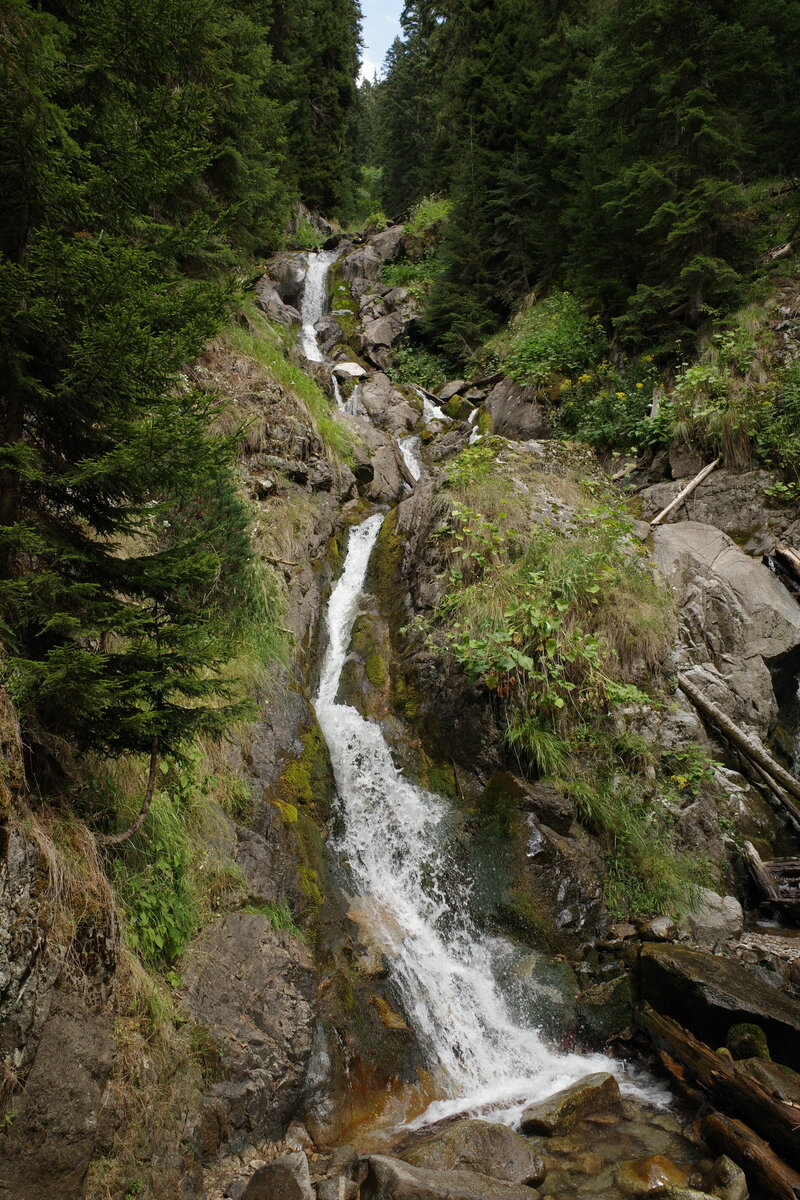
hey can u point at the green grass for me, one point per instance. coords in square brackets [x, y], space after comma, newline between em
[263, 342]
[279, 916]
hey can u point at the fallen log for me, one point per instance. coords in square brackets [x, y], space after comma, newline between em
[764, 1170]
[728, 1087]
[759, 872]
[687, 491]
[749, 748]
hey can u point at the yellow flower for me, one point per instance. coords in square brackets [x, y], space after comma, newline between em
[640, 385]
[648, 358]
[584, 378]
[621, 396]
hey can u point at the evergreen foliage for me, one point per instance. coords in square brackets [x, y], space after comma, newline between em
[606, 148]
[146, 147]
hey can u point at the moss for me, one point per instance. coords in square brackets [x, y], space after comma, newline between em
[533, 923]
[375, 669]
[442, 779]
[406, 698]
[500, 799]
[748, 1041]
[484, 421]
[307, 780]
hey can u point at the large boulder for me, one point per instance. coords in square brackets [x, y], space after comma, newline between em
[709, 993]
[516, 412]
[598, 1093]
[393, 1179]
[482, 1146]
[253, 988]
[285, 1178]
[735, 617]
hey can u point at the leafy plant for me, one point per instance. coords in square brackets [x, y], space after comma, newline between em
[554, 337]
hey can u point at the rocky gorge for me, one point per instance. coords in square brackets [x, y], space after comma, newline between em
[633, 1054]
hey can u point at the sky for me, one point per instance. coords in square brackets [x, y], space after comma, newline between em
[380, 27]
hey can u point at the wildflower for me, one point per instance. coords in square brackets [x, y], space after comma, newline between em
[648, 358]
[621, 396]
[584, 378]
[640, 385]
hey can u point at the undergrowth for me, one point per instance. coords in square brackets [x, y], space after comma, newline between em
[551, 604]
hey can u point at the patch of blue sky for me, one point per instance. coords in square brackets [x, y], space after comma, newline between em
[381, 25]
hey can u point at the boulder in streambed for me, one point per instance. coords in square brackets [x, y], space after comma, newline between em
[482, 1146]
[726, 1180]
[708, 993]
[286, 1178]
[393, 1179]
[598, 1093]
[641, 1177]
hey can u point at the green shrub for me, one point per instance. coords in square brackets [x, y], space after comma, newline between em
[555, 337]
[416, 365]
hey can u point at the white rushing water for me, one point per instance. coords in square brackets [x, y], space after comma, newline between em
[412, 457]
[430, 411]
[395, 841]
[315, 300]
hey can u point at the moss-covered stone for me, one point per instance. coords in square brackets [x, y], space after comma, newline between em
[748, 1040]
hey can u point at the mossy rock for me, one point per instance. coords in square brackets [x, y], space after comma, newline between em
[748, 1041]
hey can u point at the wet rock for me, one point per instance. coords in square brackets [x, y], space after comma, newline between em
[253, 988]
[714, 919]
[352, 369]
[678, 1193]
[543, 994]
[271, 303]
[642, 1177]
[286, 1178]
[516, 412]
[726, 1180]
[558, 1114]
[606, 1009]
[481, 1146]
[393, 1179]
[708, 993]
[287, 271]
[779, 1080]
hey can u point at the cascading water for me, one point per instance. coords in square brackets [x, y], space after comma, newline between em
[410, 450]
[395, 843]
[430, 411]
[315, 301]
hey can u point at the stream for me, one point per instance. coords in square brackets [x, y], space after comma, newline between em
[395, 842]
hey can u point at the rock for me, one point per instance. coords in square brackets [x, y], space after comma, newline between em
[516, 412]
[481, 1146]
[731, 501]
[287, 272]
[286, 1178]
[622, 930]
[236, 1189]
[748, 1041]
[734, 616]
[393, 1179]
[641, 1177]
[270, 302]
[544, 994]
[351, 369]
[253, 988]
[452, 389]
[659, 929]
[678, 1193]
[714, 919]
[337, 1187]
[684, 460]
[606, 1009]
[558, 1114]
[708, 993]
[779, 1080]
[383, 332]
[726, 1180]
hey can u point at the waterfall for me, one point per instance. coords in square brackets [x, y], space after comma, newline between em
[430, 411]
[315, 300]
[410, 450]
[396, 842]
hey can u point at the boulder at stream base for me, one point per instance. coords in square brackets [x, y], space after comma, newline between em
[287, 1178]
[644, 1175]
[708, 994]
[393, 1179]
[481, 1146]
[559, 1113]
